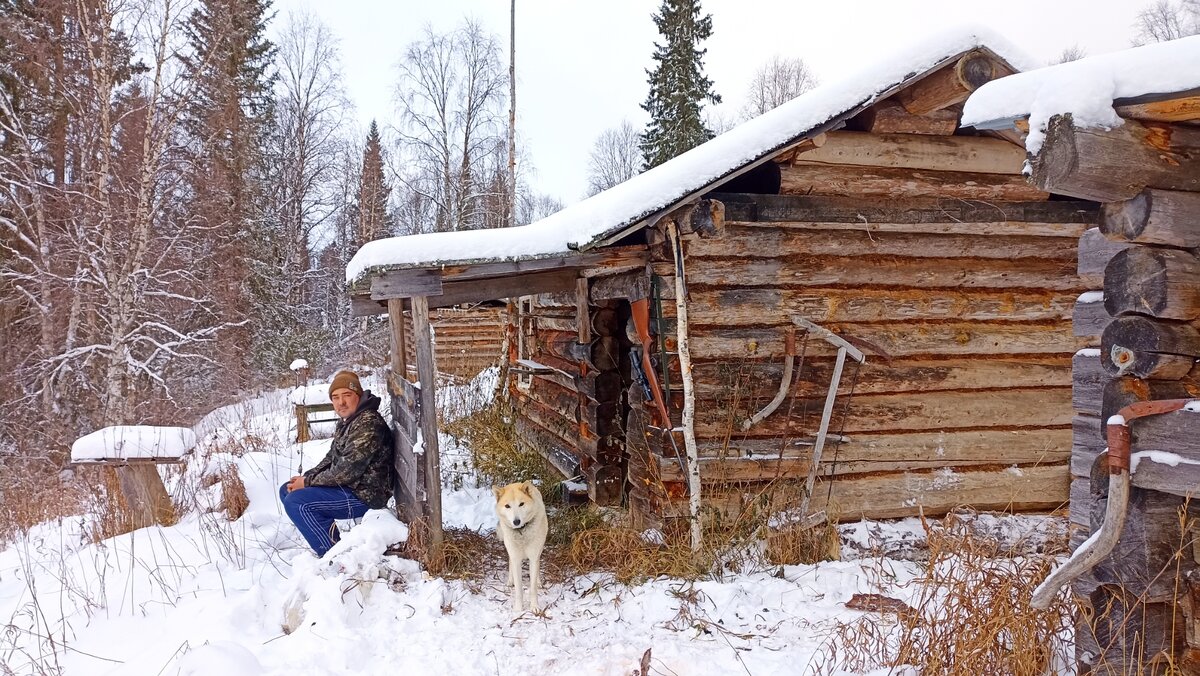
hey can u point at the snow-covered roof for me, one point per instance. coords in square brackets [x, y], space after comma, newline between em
[1085, 88]
[692, 173]
[299, 364]
[133, 441]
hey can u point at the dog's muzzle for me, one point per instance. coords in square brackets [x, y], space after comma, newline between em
[517, 525]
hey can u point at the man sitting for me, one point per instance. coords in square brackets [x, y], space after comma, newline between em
[354, 476]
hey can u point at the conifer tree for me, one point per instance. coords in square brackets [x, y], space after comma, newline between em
[678, 86]
[373, 191]
[228, 120]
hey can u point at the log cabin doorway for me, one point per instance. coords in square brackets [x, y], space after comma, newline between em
[610, 353]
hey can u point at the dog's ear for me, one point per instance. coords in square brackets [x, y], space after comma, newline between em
[527, 488]
[497, 490]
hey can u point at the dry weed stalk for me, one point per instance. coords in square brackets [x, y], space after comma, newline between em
[971, 615]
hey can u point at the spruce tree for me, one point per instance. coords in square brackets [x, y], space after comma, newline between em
[678, 86]
[228, 118]
[373, 191]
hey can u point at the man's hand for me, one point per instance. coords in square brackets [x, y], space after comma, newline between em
[295, 483]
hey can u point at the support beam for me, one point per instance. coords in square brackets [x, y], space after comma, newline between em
[1182, 108]
[583, 319]
[805, 178]
[1154, 217]
[427, 372]
[909, 151]
[951, 84]
[365, 306]
[528, 284]
[406, 283]
[1109, 165]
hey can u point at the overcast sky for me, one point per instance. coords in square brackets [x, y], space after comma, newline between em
[581, 63]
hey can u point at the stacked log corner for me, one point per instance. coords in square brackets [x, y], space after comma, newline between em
[1140, 321]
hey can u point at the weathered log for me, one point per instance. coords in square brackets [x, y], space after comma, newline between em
[898, 339]
[921, 449]
[1153, 281]
[1154, 217]
[890, 117]
[749, 307]
[913, 411]
[932, 493]
[1144, 561]
[1109, 165]
[1149, 348]
[945, 216]
[1172, 432]
[1080, 510]
[950, 84]
[1131, 633]
[1095, 251]
[805, 178]
[146, 499]
[757, 381]
[785, 268]
[1087, 444]
[971, 154]
[1087, 383]
[628, 286]
[812, 238]
[1121, 392]
[1178, 109]
[1181, 479]
[1089, 318]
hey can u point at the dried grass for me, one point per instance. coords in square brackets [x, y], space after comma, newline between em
[970, 615]
[498, 454]
[234, 500]
[631, 559]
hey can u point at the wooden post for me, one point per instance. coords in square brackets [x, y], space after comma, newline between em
[302, 432]
[427, 372]
[145, 495]
[399, 356]
[582, 317]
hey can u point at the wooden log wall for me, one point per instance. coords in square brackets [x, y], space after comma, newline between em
[573, 411]
[1140, 319]
[466, 341]
[964, 310]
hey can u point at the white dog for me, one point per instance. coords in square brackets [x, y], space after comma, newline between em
[523, 528]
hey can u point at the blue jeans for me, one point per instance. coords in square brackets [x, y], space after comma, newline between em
[314, 508]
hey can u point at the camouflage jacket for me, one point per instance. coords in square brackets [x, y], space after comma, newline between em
[360, 456]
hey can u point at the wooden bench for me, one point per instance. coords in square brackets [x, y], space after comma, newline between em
[304, 418]
[136, 468]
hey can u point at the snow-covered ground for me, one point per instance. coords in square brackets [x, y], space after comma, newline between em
[209, 596]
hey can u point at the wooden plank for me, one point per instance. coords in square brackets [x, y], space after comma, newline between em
[759, 381]
[811, 239]
[1177, 433]
[399, 352]
[146, 498]
[783, 268]
[972, 154]
[950, 84]
[1121, 392]
[582, 311]
[914, 411]
[1149, 348]
[932, 493]
[1153, 281]
[427, 372]
[898, 339]
[889, 117]
[364, 306]
[1108, 165]
[405, 284]
[601, 261]
[629, 286]
[1089, 317]
[1154, 217]
[805, 178]
[966, 216]
[1095, 251]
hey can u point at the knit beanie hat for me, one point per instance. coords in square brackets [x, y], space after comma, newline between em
[345, 380]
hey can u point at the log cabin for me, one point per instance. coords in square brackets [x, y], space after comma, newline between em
[862, 208]
[1123, 130]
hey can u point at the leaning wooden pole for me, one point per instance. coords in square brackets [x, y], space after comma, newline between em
[427, 372]
[689, 390]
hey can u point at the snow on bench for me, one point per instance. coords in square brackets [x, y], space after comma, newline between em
[126, 444]
[309, 400]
